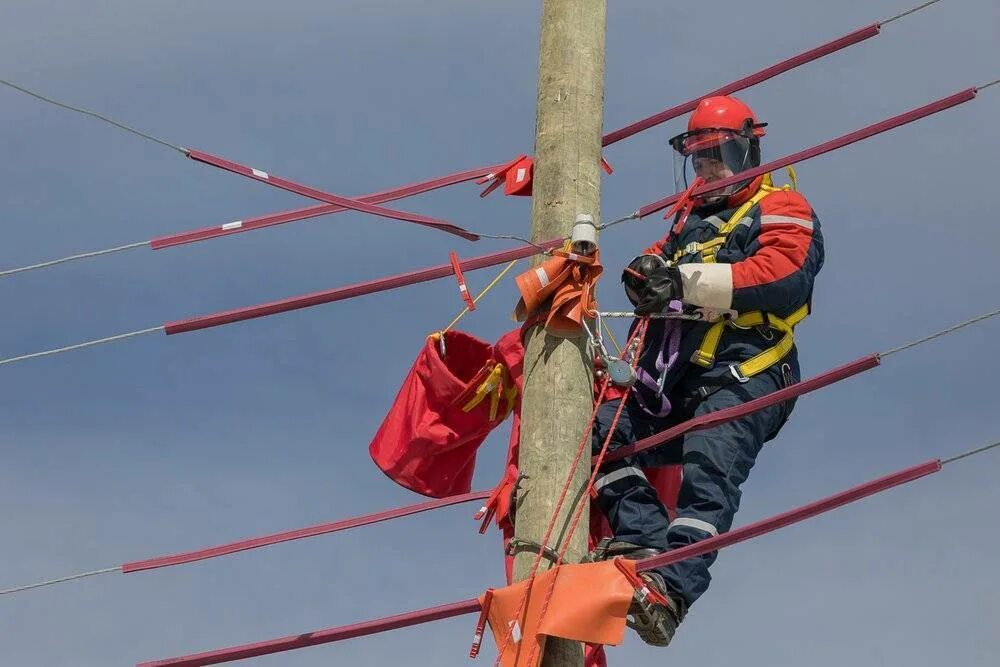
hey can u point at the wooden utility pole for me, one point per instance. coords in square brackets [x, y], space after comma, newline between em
[558, 387]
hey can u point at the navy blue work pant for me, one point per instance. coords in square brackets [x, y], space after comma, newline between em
[716, 462]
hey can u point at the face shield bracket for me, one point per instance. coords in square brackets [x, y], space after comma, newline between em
[715, 153]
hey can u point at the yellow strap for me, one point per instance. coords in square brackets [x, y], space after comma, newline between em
[705, 354]
[766, 188]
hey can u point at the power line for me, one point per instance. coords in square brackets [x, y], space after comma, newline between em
[971, 452]
[49, 582]
[77, 346]
[96, 115]
[462, 607]
[83, 255]
[942, 332]
[908, 12]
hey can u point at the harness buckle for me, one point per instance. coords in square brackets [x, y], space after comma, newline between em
[692, 248]
[734, 369]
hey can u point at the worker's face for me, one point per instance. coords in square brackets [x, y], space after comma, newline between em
[711, 169]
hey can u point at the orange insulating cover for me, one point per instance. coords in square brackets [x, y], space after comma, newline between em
[588, 604]
[568, 280]
[427, 442]
[517, 180]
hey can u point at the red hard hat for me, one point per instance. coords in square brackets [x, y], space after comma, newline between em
[724, 112]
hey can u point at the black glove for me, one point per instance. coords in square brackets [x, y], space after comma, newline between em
[635, 275]
[660, 288]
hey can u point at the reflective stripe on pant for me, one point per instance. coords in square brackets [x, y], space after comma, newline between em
[716, 463]
[629, 502]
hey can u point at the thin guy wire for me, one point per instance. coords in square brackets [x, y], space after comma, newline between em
[634, 215]
[991, 83]
[95, 115]
[61, 260]
[908, 12]
[511, 237]
[971, 452]
[943, 332]
[49, 582]
[88, 343]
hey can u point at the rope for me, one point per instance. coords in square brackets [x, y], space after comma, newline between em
[479, 296]
[908, 12]
[523, 604]
[71, 577]
[96, 115]
[587, 435]
[985, 86]
[61, 260]
[578, 512]
[971, 452]
[611, 335]
[942, 332]
[696, 316]
[77, 346]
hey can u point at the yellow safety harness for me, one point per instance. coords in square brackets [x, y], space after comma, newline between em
[705, 354]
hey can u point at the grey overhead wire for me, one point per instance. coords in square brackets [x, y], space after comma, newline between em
[971, 452]
[942, 332]
[94, 114]
[53, 262]
[77, 346]
[908, 12]
[118, 568]
[49, 582]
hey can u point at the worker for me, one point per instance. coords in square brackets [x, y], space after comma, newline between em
[746, 247]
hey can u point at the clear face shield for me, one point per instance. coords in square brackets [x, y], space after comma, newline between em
[713, 155]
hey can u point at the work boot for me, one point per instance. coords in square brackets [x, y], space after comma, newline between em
[655, 622]
[609, 548]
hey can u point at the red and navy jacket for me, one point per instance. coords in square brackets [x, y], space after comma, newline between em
[769, 263]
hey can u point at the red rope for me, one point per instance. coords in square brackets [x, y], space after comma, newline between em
[523, 604]
[640, 332]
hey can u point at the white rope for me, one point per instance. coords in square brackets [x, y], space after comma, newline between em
[88, 343]
[49, 582]
[695, 316]
[53, 262]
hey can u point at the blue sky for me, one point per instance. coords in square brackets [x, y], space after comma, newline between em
[160, 444]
